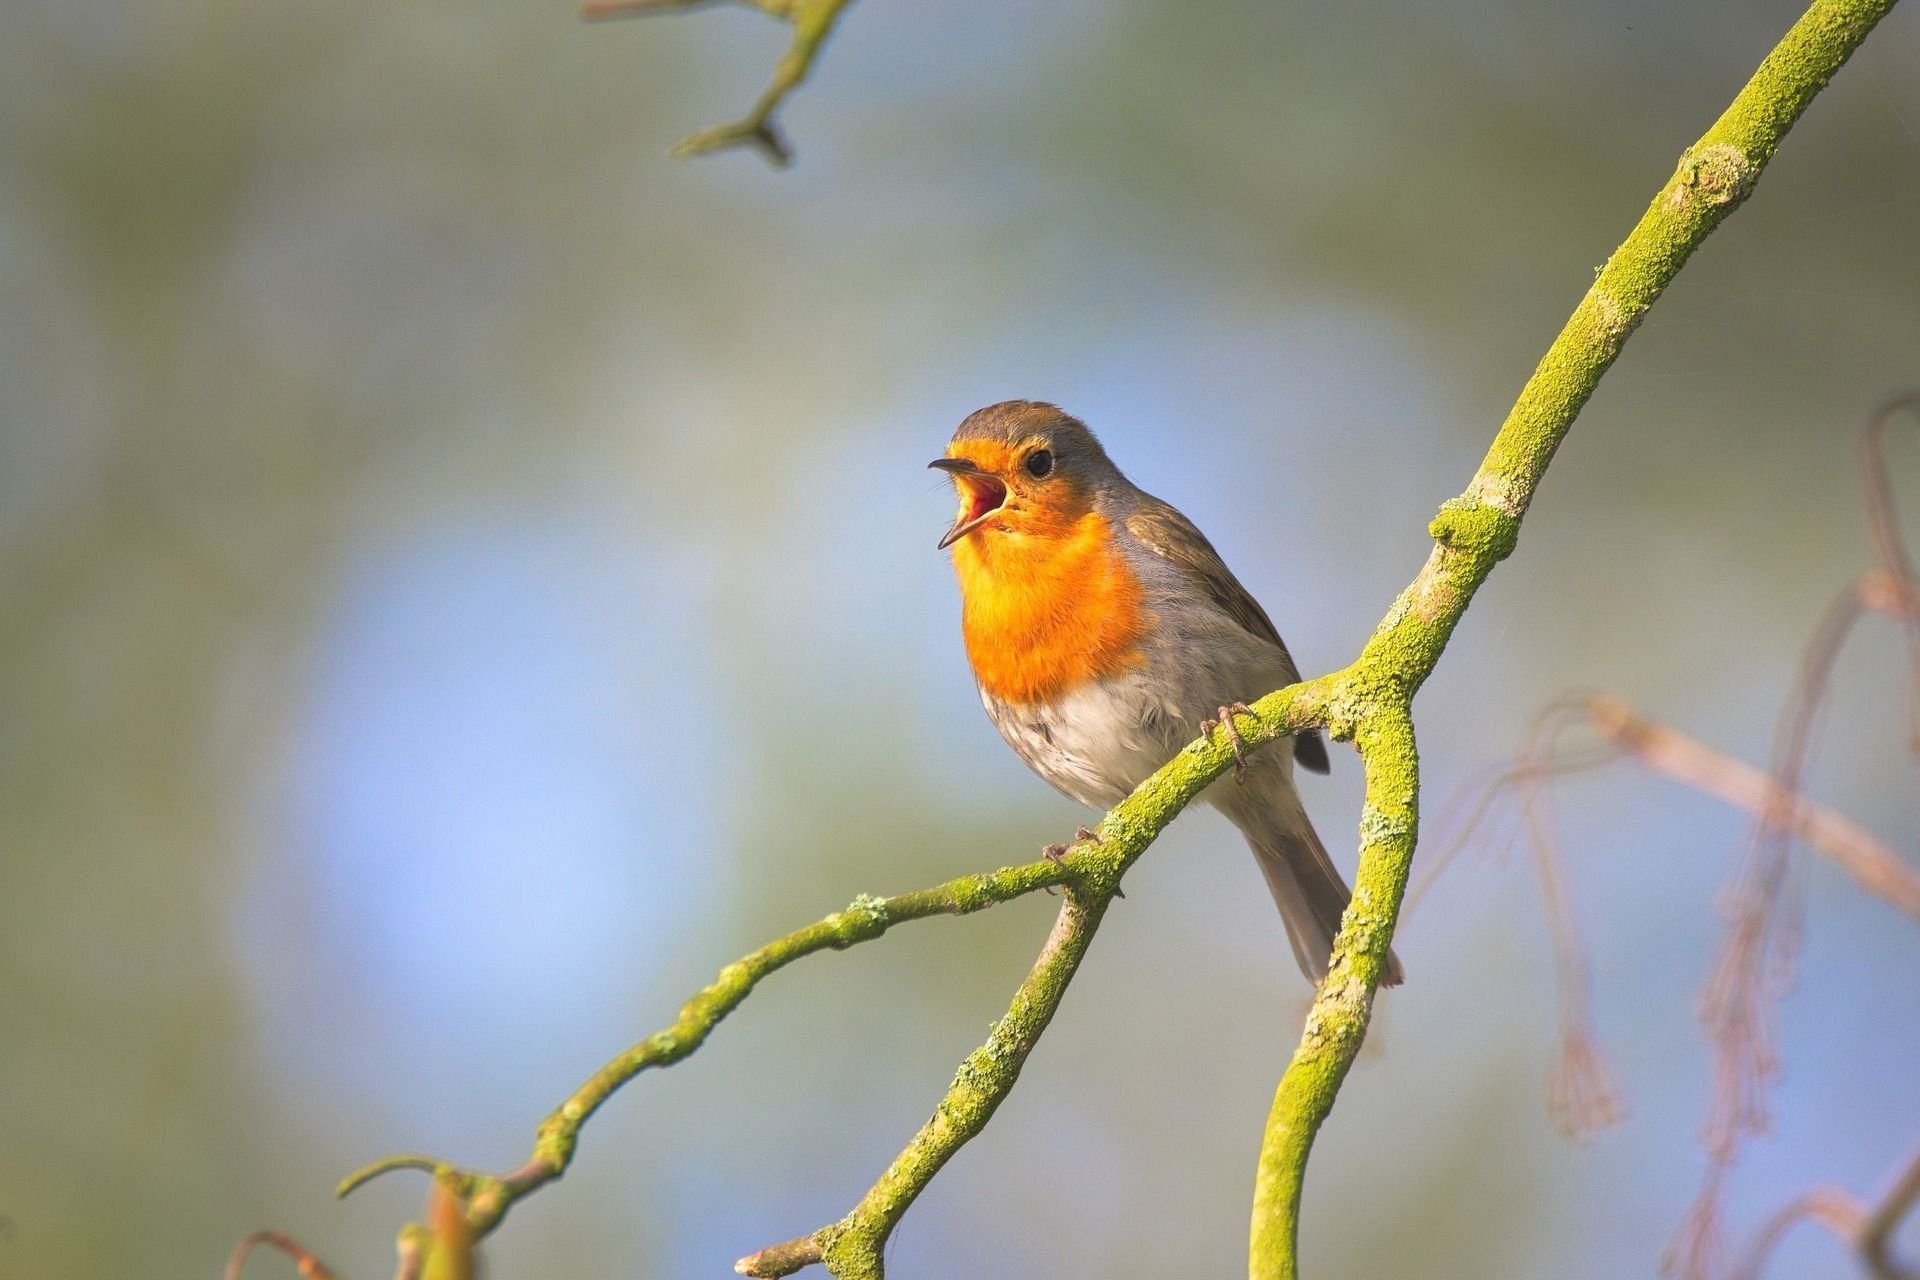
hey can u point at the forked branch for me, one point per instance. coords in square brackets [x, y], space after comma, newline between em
[812, 22]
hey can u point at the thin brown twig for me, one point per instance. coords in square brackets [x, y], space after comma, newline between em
[304, 1261]
[1867, 1230]
[1883, 522]
[1757, 956]
[1581, 1095]
[1831, 1207]
[1755, 962]
[1876, 1234]
[1459, 821]
[1863, 856]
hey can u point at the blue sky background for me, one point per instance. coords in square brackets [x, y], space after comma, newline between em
[465, 577]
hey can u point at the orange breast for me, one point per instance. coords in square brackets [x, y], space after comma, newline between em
[1042, 613]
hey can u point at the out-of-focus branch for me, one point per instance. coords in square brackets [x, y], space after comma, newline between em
[309, 1267]
[1580, 1095]
[1756, 959]
[1894, 590]
[1757, 956]
[812, 22]
[1867, 1230]
[1873, 866]
[1876, 1234]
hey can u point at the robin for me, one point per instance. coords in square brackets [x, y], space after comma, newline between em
[1105, 633]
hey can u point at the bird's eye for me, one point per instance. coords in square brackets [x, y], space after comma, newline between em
[1039, 462]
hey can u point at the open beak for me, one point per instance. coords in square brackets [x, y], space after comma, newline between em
[984, 494]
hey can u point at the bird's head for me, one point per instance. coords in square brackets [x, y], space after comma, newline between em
[1023, 467]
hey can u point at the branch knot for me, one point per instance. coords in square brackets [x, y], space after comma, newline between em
[1715, 173]
[1473, 527]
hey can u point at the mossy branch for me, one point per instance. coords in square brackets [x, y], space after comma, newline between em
[489, 1196]
[1090, 871]
[1371, 702]
[812, 22]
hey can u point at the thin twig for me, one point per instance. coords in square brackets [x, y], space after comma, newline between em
[1876, 1233]
[1873, 866]
[309, 1267]
[1898, 587]
[488, 1196]
[812, 22]
[1757, 956]
[1865, 1230]
[1581, 1098]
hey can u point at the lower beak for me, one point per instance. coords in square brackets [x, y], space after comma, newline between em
[984, 491]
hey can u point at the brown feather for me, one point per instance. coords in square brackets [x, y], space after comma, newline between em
[1175, 539]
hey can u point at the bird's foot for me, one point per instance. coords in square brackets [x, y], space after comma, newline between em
[1057, 855]
[1225, 721]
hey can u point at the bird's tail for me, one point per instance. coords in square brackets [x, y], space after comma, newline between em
[1306, 886]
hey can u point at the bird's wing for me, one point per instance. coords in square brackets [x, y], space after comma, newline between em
[1175, 539]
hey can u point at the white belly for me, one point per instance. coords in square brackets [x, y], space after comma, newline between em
[1098, 742]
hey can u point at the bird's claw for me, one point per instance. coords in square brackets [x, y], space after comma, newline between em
[1057, 855]
[1225, 721]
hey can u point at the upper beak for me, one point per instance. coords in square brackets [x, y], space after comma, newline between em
[985, 489]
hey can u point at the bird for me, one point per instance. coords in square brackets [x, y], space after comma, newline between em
[1105, 634]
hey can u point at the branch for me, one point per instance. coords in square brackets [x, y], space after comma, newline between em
[1756, 959]
[1867, 1231]
[1895, 589]
[489, 1196]
[1477, 530]
[854, 1248]
[1091, 870]
[812, 22]
[1873, 866]
[309, 1266]
[1757, 956]
[1876, 1234]
[1581, 1098]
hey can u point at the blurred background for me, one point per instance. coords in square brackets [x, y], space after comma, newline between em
[464, 577]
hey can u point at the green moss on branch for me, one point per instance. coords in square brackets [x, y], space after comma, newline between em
[1371, 702]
